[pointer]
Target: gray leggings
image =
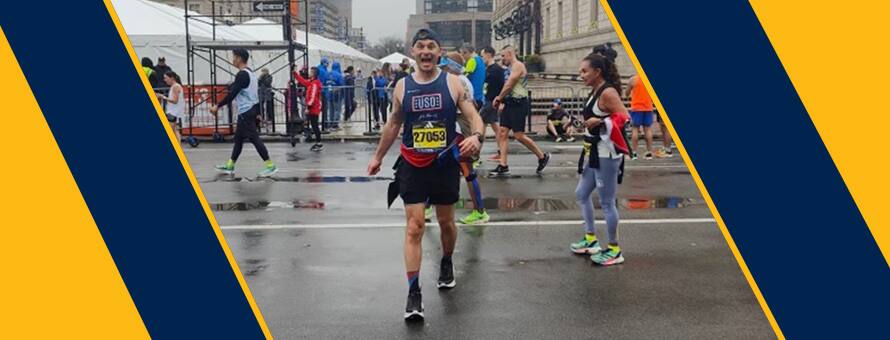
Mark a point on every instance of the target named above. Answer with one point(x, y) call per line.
point(605, 179)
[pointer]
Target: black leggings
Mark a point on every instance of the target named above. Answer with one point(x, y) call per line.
point(313, 122)
point(380, 106)
point(247, 130)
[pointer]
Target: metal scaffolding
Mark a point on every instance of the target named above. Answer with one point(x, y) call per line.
point(207, 51)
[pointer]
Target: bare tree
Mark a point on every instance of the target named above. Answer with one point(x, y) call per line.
point(387, 46)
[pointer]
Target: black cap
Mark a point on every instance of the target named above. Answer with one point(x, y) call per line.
point(425, 34)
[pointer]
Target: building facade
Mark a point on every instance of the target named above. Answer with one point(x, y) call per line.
point(329, 18)
point(569, 30)
point(457, 22)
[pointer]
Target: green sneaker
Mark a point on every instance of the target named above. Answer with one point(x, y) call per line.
point(268, 171)
point(428, 214)
point(226, 168)
point(582, 247)
point(475, 217)
point(609, 257)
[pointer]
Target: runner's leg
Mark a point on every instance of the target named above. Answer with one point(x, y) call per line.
point(413, 238)
point(608, 177)
point(503, 138)
point(529, 144)
point(586, 185)
point(445, 216)
point(240, 135)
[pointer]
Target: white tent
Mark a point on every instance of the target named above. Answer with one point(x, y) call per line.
point(158, 30)
point(264, 30)
point(396, 59)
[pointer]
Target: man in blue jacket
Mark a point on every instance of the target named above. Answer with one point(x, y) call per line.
point(335, 81)
point(323, 75)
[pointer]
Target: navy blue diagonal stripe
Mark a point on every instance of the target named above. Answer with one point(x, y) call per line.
point(763, 163)
point(127, 170)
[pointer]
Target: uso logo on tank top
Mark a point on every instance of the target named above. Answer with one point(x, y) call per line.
point(427, 102)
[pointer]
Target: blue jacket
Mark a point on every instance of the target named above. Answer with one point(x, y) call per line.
point(380, 85)
point(335, 78)
point(323, 72)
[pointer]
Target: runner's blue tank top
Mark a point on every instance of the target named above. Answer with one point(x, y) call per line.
point(430, 115)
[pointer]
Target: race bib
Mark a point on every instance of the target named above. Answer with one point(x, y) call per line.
point(429, 136)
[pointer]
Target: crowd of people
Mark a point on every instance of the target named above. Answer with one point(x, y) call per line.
point(439, 106)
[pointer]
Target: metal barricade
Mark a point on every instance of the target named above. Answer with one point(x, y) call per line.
point(542, 98)
point(344, 109)
point(379, 107)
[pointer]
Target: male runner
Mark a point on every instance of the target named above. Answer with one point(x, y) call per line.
point(494, 83)
point(244, 91)
point(515, 110)
point(475, 72)
point(427, 103)
point(642, 115)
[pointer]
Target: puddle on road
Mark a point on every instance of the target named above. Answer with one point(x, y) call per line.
point(267, 205)
point(298, 179)
point(491, 203)
point(252, 267)
point(549, 204)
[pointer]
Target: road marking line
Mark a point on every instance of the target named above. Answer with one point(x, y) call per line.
point(490, 224)
point(630, 167)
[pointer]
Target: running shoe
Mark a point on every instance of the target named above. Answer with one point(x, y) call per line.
point(428, 214)
point(414, 308)
point(668, 153)
point(227, 169)
point(317, 147)
point(570, 139)
point(608, 257)
point(584, 247)
point(446, 274)
point(648, 155)
point(268, 171)
point(475, 217)
point(660, 154)
point(542, 163)
point(633, 156)
point(559, 139)
point(500, 171)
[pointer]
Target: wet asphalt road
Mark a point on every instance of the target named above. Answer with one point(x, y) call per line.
point(323, 256)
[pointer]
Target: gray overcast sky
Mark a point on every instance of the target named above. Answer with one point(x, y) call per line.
point(382, 18)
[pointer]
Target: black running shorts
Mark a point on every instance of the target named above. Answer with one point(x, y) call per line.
point(515, 113)
point(489, 114)
point(438, 184)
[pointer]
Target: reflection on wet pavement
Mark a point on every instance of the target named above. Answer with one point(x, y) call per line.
point(549, 204)
point(267, 205)
point(491, 203)
point(304, 179)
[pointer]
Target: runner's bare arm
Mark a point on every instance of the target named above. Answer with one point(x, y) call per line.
point(611, 102)
point(467, 106)
point(630, 86)
point(390, 131)
point(517, 70)
point(468, 115)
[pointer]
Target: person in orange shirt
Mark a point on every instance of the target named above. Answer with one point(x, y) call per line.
point(642, 115)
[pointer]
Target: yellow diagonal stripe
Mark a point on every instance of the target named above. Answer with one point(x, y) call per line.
point(836, 55)
point(59, 280)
